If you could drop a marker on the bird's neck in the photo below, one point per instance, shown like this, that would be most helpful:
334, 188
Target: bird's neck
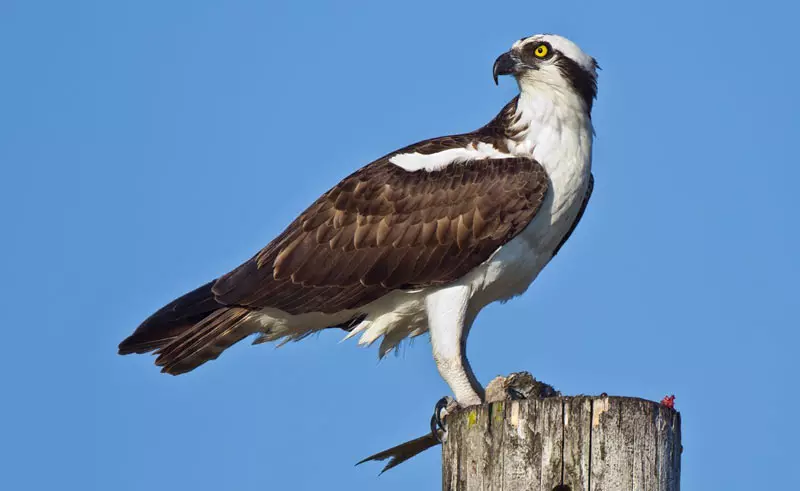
552, 126
556, 132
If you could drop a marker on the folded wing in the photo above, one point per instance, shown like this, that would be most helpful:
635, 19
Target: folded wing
385, 228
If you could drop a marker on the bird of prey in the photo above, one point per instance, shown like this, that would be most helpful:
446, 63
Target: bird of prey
420, 240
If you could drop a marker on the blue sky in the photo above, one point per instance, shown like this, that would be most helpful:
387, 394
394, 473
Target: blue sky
147, 147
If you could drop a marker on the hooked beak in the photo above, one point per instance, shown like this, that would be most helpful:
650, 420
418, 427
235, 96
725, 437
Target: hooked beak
505, 64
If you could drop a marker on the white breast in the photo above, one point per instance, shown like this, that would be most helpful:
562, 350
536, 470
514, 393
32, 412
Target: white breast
561, 140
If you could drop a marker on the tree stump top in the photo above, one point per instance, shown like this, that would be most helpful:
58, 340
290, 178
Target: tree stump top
563, 444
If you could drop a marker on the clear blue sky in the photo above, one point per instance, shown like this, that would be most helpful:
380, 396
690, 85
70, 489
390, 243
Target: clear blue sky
149, 146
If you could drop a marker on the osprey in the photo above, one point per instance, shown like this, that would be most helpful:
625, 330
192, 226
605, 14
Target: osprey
417, 241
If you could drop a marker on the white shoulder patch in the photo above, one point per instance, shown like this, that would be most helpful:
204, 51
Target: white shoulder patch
436, 161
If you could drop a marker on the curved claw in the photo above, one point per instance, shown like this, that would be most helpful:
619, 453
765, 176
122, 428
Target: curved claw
441, 405
439, 418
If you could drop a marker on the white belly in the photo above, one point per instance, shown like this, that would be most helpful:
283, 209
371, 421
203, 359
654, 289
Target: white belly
561, 142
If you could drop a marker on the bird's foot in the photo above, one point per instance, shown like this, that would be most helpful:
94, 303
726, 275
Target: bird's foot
444, 406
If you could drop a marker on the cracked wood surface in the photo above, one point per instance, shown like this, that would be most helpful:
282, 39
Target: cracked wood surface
563, 444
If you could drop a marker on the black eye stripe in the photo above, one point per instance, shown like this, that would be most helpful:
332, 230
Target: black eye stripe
528, 52
532, 47
583, 81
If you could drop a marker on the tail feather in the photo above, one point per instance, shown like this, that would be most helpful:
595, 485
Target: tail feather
196, 328
205, 341
171, 321
189, 331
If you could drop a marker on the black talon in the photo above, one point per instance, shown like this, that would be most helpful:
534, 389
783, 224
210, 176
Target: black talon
437, 423
437, 412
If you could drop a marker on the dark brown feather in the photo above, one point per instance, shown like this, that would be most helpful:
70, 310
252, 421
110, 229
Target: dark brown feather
393, 228
171, 321
204, 341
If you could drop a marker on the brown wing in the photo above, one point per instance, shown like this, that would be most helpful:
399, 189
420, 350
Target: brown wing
384, 228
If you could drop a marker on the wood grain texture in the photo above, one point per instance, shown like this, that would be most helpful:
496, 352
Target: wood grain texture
563, 444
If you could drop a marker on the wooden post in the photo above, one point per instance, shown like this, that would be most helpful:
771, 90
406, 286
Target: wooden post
563, 444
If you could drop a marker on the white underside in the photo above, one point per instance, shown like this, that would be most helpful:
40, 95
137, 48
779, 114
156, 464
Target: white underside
562, 143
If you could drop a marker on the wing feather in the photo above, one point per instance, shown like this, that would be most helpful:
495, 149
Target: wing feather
384, 228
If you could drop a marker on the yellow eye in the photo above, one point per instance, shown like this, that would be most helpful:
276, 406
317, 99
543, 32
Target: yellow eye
541, 51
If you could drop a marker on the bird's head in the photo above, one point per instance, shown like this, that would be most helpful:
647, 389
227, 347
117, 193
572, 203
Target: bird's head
547, 61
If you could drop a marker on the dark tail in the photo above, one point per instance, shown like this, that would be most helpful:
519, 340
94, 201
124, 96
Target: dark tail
189, 331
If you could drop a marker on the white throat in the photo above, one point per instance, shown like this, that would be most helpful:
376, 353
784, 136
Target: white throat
551, 121
557, 132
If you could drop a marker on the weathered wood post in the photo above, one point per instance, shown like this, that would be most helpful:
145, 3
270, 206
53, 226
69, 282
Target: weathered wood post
563, 444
